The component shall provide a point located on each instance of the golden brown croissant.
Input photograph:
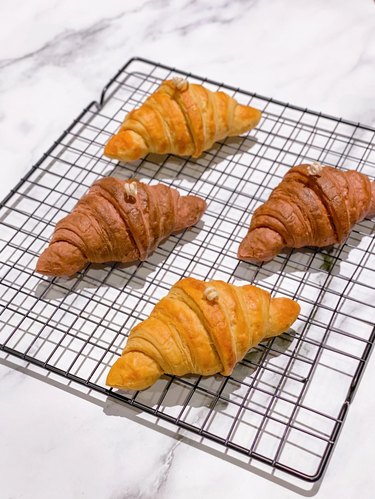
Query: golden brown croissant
(314, 205)
(180, 118)
(202, 328)
(117, 220)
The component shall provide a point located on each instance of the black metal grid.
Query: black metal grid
(285, 403)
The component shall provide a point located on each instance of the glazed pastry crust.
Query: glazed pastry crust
(180, 118)
(117, 220)
(189, 333)
(314, 205)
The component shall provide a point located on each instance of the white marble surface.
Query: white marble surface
(54, 58)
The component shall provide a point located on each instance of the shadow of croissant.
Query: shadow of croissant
(182, 168)
(117, 275)
(312, 260)
(216, 392)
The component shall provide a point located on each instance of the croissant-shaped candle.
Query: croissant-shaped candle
(314, 205)
(202, 328)
(180, 118)
(117, 220)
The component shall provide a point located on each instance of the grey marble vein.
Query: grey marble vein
(61, 46)
(204, 14)
(166, 463)
(156, 487)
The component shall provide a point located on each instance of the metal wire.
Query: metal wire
(286, 401)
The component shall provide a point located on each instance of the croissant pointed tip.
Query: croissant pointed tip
(133, 371)
(126, 145)
(254, 115)
(243, 253)
(247, 253)
(246, 118)
(189, 212)
(283, 313)
(260, 245)
(114, 378)
(111, 149)
(60, 259)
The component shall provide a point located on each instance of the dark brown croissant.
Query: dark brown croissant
(180, 118)
(117, 220)
(314, 205)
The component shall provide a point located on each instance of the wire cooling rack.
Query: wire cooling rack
(285, 403)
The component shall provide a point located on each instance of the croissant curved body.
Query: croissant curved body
(117, 220)
(180, 118)
(314, 205)
(200, 327)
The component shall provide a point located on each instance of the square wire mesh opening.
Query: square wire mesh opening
(285, 402)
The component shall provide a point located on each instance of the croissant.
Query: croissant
(180, 118)
(202, 328)
(117, 220)
(314, 205)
